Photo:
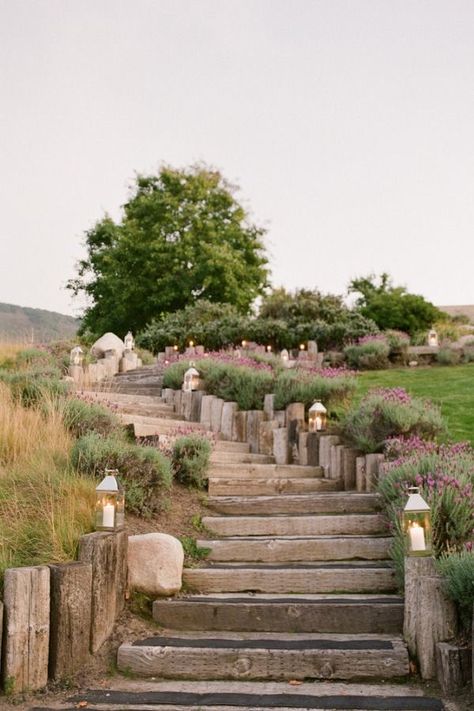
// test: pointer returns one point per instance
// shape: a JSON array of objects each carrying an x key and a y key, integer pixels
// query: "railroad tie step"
[
  {"x": 265, "y": 656},
  {"x": 256, "y": 486},
  {"x": 292, "y": 549},
  {"x": 323, "y": 696},
  {"x": 331, "y": 614},
  {"x": 328, "y": 577},
  {"x": 296, "y": 525},
  {"x": 312, "y": 503}
]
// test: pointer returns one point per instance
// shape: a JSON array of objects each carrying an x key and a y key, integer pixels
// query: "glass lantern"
[
  {"x": 191, "y": 344},
  {"x": 433, "y": 339},
  {"x": 191, "y": 380},
  {"x": 129, "y": 342},
  {"x": 417, "y": 524},
  {"x": 284, "y": 355},
  {"x": 244, "y": 343},
  {"x": 76, "y": 356},
  {"x": 269, "y": 349},
  {"x": 317, "y": 417},
  {"x": 302, "y": 346},
  {"x": 176, "y": 348},
  {"x": 110, "y": 503}
]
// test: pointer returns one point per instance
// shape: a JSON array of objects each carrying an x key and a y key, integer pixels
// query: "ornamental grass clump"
[
  {"x": 369, "y": 353},
  {"x": 190, "y": 460},
  {"x": 445, "y": 476},
  {"x": 45, "y": 506},
  {"x": 390, "y": 412}
]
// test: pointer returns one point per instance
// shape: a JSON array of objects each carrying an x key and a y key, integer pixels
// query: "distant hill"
[
  {"x": 459, "y": 310},
  {"x": 21, "y": 323}
]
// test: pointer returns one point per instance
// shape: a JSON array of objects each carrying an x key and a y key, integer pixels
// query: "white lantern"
[
  {"x": 191, "y": 344},
  {"x": 433, "y": 339},
  {"x": 269, "y": 349},
  {"x": 417, "y": 524},
  {"x": 284, "y": 355},
  {"x": 191, "y": 380},
  {"x": 76, "y": 355},
  {"x": 302, "y": 346},
  {"x": 110, "y": 503},
  {"x": 244, "y": 343},
  {"x": 129, "y": 342},
  {"x": 317, "y": 417}
]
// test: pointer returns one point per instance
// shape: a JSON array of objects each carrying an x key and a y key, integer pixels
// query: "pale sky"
[{"x": 348, "y": 124}]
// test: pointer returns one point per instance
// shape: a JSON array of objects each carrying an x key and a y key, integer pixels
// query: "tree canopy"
[
  {"x": 393, "y": 307},
  {"x": 183, "y": 237}
]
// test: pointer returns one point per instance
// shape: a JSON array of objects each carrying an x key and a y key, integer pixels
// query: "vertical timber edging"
[
  {"x": 430, "y": 616},
  {"x": 26, "y": 629},
  {"x": 107, "y": 554},
  {"x": 71, "y": 616}
]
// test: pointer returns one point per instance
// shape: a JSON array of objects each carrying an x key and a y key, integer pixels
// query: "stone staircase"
[{"x": 295, "y": 606}]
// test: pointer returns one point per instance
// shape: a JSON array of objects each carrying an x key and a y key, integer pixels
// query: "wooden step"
[
  {"x": 296, "y": 525},
  {"x": 360, "y": 577},
  {"x": 223, "y": 445},
  {"x": 129, "y": 398},
  {"x": 340, "y": 502},
  {"x": 264, "y": 471},
  {"x": 265, "y": 656},
  {"x": 292, "y": 549},
  {"x": 221, "y": 486},
  {"x": 355, "y": 614},
  {"x": 163, "y": 426},
  {"x": 143, "y": 695},
  {"x": 222, "y": 458}
]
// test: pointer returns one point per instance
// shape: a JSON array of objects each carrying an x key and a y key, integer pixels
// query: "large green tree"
[
  {"x": 393, "y": 306},
  {"x": 183, "y": 237}
]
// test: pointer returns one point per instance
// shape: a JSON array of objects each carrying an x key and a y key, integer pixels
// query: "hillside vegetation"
[{"x": 21, "y": 323}]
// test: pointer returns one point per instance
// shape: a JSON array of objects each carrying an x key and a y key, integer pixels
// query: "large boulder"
[
  {"x": 108, "y": 342},
  {"x": 155, "y": 564}
]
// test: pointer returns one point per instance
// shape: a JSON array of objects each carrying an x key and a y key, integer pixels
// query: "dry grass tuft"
[{"x": 44, "y": 505}]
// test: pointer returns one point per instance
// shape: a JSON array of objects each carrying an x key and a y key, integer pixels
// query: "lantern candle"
[
  {"x": 108, "y": 516},
  {"x": 191, "y": 344},
  {"x": 417, "y": 537},
  {"x": 318, "y": 423}
]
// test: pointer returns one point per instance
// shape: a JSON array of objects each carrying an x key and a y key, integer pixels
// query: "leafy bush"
[
  {"x": 190, "y": 460},
  {"x": 146, "y": 356},
  {"x": 458, "y": 571},
  {"x": 145, "y": 472},
  {"x": 397, "y": 339},
  {"x": 468, "y": 351},
  {"x": 390, "y": 412},
  {"x": 448, "y": 356},
  {"x": 332, "y": 386},
  {"x": 445, "y": 477},
  {"x": 81, "y": 417},
  {"x": 370, "y": 353}
]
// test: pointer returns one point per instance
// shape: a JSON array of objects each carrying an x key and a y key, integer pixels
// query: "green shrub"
[
  {"x": 144, "y": 471},
  {"x": 236, "y": 380},
  {"x": 397, "y": 339},
  {"x": 369, "y": 353},
  {"x": 299, "y": 385},
  {"x": 246, "y": 386},
  {"x": 448, "y": 356},
  {"x": 190, "y": 460},
  {"x": 468, "y": 351},
  {"x": 390, "y": 412},
  {"x": 458, "y": 571},
  {"x": 81, "y": 417},
  {"x": 146, "y": 356}
]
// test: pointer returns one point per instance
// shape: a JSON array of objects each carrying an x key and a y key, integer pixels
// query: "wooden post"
[
  {"x": 349, "y": 457},
  {"x": 107, "y": 554},
  {"x": 430, "y": 616},
  {"x": 71, "y": 600},
  {"x": 313, "y": 449},
  {"x": 372, "y": 462},
  {"x": 26, "y": 637}
]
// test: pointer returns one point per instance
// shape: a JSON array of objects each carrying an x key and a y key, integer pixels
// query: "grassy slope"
[{"x": 450, "y": 387}]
